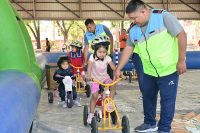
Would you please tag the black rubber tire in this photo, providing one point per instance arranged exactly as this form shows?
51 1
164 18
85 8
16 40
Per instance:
125 125
50 97
98 118
94 125
124 73
30 130
88 90
113 117
130 77
70 102
85 114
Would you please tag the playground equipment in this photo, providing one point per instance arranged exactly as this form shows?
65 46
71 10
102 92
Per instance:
20 74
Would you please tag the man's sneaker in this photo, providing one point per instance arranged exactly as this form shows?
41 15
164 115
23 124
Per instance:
77 103
140 97
146 128
89 119
63 103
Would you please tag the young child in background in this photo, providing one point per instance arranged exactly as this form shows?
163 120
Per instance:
97 68
64 70
76 56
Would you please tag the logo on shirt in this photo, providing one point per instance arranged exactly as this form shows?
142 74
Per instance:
171 82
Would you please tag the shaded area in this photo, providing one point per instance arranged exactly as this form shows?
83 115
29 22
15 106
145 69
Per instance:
52 118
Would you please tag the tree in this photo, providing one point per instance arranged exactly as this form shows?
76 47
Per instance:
77 30
81 25
115 24
35 31
64 29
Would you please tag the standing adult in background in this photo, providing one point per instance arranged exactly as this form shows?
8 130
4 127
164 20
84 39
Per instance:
161 42
137 64
122 39
64 47
48 46
94 30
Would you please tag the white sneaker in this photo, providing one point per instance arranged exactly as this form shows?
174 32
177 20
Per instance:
77 103
89 119
64 105
140 97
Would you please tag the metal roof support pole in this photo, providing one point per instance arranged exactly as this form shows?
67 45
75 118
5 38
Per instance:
163 4
123 2
23 8
110 8
34 19
80 8
190 6
124 9
36 26
167 5
34 8
68 8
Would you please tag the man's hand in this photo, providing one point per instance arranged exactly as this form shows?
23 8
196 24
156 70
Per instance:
182 45
89 77
181 67
117 74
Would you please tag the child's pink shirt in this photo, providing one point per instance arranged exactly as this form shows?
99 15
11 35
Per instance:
99 68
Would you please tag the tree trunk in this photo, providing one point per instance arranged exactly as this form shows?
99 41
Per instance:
65 38
36 33
122 25
38 36
64 30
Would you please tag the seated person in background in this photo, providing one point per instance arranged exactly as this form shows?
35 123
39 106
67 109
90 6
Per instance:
59 75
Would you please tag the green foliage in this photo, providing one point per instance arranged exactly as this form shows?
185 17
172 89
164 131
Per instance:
115 24
98 21
77 30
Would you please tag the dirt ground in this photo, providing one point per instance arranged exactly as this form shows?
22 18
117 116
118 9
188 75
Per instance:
52 118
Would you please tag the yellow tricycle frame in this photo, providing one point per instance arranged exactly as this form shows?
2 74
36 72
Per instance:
79 80
108 107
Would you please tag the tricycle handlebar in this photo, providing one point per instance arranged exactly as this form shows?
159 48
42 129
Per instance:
111 84
76 67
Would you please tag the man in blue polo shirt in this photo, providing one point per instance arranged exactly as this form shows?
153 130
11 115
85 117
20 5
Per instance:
94 30
161 43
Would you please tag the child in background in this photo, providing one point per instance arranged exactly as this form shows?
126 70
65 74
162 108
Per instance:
76 56
97 68
64 48
59 75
